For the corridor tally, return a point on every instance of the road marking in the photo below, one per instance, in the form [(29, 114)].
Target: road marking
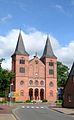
[(37, 107), (42, 107), (13, 117), (23, 106), (28, 106), (32, 106), (71, 115)]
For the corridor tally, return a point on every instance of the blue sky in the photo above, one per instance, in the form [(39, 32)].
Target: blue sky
[(49, 16), (54, 17)]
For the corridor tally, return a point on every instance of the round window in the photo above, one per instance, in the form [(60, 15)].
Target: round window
[(42, 82), (21, 82)]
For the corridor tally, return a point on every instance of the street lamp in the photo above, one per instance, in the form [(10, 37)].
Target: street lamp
[(10, 94)]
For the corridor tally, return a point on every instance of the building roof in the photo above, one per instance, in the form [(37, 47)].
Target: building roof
[(48, 52), (72, 70), (20, 48)]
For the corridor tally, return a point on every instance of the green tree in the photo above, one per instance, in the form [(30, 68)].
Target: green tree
[(62, 74), (5, 77)]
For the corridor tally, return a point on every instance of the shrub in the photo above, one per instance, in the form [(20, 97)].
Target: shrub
[(59, 101), (19, 102), (44, 100), (28, 101), (34, 101), (3, 101)]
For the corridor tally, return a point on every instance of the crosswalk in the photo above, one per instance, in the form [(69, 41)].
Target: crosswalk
[(33, 107)]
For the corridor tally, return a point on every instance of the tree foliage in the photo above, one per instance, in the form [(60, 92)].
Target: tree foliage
[(5, 77), (62, 74)]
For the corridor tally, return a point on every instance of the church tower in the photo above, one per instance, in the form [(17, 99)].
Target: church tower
[(20, 66), (50, 61)]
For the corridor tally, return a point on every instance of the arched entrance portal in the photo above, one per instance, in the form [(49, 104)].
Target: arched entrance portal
[(31, 93), (42, 94), (36, 94)]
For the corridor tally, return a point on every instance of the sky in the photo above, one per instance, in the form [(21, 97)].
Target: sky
[(37, 19)]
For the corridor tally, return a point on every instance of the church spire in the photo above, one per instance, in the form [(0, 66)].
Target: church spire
[(48, 52), (20, 49)]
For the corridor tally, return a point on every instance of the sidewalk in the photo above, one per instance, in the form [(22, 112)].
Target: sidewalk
[(6, 112), (7, 117), (67, 111)]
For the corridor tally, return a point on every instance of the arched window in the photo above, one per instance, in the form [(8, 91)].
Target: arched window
[(22, 93), (31, 93), (36, 92), (31, 82), (51, 71), (22, 61), (51, 93), (51, 63), (36, 82), (51, 84), (41, 94), (22, 70), (41, 82)]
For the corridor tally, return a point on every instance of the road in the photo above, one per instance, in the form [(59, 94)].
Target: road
[(38, 112)]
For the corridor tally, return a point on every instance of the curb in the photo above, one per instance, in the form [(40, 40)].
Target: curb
[(58, 111), (13, 112), (63, 112)]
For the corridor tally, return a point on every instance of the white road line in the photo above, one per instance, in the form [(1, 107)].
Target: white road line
[(28, 107), (37, 107), (32, 107), (72, 115), (23, 106), (42, 107)]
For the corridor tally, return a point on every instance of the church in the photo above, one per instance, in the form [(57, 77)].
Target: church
[(35, 79)]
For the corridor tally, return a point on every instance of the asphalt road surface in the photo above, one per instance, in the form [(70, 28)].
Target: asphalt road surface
[(34, 112)]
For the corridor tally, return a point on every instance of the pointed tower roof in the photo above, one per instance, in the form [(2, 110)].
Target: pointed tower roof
[(72, 70), (48, 52), (20, 49)]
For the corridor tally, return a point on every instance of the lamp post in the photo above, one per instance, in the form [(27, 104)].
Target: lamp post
[(11, 84)]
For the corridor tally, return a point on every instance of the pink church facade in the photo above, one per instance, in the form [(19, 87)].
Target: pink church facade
[(35, 79)]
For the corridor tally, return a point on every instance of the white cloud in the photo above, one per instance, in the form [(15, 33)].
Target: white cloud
[(66, 54), (5, 18), (60, 7), (57, 6), (34, 41)]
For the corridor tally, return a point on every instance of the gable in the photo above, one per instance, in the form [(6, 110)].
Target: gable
[(36, 68)]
